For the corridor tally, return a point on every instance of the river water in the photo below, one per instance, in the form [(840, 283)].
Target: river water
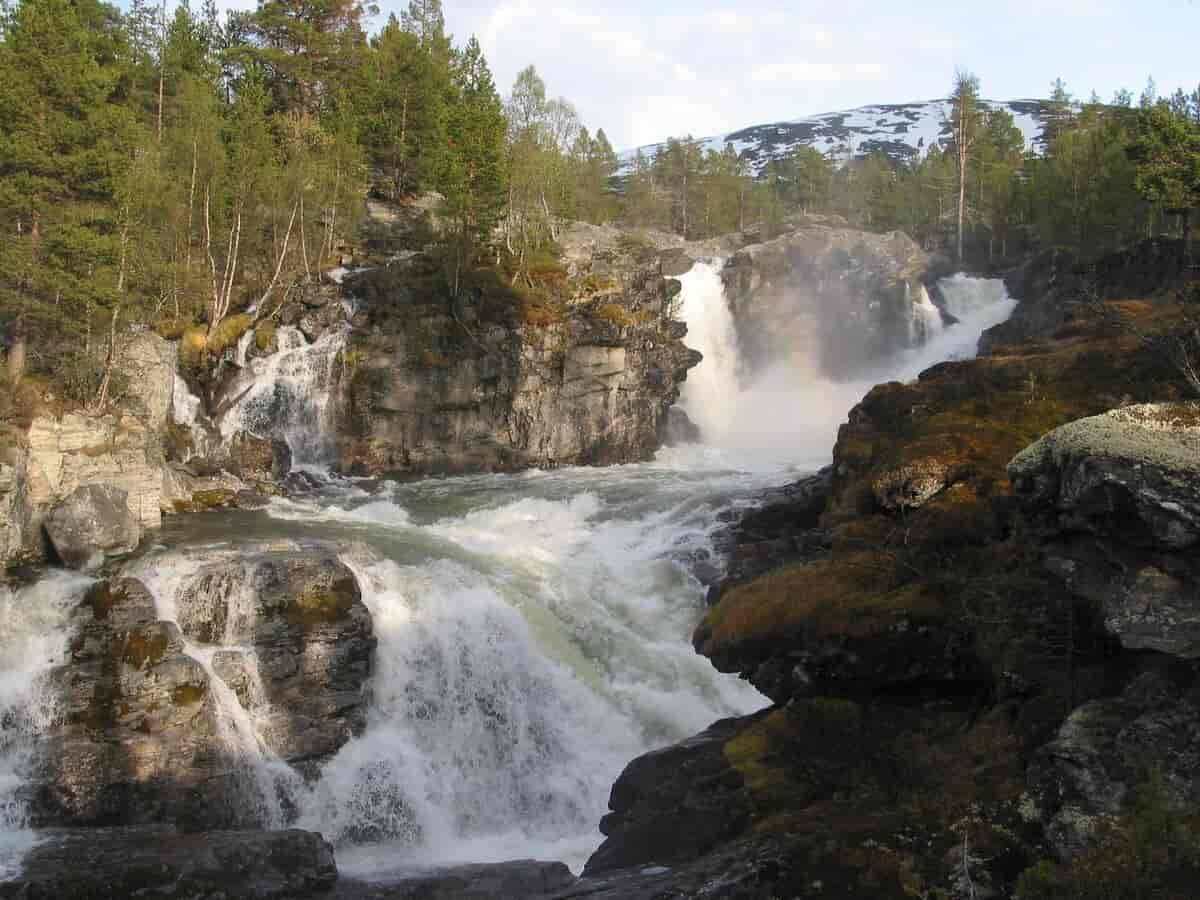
[(534, 629)]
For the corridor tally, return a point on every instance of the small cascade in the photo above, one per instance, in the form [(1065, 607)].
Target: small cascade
[(287, 394), (924, 319), (33, 639), (267, 783)]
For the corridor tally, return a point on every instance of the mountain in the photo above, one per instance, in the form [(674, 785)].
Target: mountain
[(899, 130)]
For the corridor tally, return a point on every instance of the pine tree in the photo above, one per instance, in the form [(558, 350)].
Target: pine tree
[(964, 128)]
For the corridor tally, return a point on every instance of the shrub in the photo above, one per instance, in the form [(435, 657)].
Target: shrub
[(615, 314)]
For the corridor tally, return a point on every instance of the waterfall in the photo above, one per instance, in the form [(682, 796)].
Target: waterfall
[(33, 639), (287, 394), (789, 412), (264, 781), (924, 319)]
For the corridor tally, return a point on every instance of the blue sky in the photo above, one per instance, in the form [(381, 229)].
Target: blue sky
[(646, 70)]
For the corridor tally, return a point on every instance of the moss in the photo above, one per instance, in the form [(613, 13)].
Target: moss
[(431, 359), (188, 694), (264, 336), (214, 498), (228, 332), (321, 604), (614, 314), (101, 598), (192, 346)]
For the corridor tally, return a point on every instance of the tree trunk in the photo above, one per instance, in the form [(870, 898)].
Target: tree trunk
[(16, 354)]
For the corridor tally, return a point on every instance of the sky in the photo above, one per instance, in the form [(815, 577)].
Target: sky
[(648, 70)]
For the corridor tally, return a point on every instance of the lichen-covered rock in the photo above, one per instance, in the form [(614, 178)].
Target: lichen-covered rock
[(1106, 749), (1120, 494), (94, 522), (103, 863), (1138, 466), (911, 485), (311, 641)]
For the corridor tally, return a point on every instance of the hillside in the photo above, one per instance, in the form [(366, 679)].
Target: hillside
[(899, 130)]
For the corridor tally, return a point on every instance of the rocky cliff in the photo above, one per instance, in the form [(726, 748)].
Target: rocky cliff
[(581, 372), (980, 644)]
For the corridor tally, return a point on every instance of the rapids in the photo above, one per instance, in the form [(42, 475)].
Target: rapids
[(533, 629)]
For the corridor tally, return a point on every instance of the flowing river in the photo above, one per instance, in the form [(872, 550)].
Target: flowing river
[(533, 629)]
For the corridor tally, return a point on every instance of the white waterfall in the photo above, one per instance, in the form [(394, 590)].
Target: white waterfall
[(789, 413), (287, 394), (33, 639), (925, 319)]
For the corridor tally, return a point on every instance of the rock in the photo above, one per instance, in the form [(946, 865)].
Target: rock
[(136, 740), (675, 262), (148, 362), (254, 458), (680, 429), (312, 641), (1120, 494), (673, 805), (1133, 471), (1107, 748), (912, 485), (516, 880), (568, 388), (112, 863), (92, 523)]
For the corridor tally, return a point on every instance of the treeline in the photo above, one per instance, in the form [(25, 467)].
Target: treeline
[(1108, 174), (166, 168)]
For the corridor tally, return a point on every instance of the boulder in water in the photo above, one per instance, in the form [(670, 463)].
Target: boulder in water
[(680, 429), (95, 521), (255, 458), (303, 615), (94, 863)]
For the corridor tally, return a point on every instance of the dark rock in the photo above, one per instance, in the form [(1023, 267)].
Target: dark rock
[(673, 805), (675, 262), (1106, 749), (120, 863), (516, 880), (312, 638), (680, 429), (256, 458), (95, 521)]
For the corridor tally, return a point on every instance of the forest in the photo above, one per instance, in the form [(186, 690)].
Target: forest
[(168, 168)]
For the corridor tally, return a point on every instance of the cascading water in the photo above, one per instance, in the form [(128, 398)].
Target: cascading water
[(33, 639), (287, 394), (788, 415), (533, 630)]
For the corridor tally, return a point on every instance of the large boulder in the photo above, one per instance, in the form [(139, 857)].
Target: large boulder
[(92, 523), (674, 804), (1120, 494), (259, 459), (137, 739), (111, 863), (310, 645)]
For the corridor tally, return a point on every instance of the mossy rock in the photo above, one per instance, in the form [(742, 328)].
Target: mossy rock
[(322, 602), (193, 345), (228, 332), (144, 648), (264, 336)]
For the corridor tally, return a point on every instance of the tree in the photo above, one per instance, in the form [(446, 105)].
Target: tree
[(964, 126), (1166, 153)]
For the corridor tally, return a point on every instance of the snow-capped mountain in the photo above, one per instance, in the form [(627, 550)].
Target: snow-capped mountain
[(899, 130)]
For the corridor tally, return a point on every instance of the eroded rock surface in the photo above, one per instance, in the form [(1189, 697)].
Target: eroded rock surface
[(92, 523)]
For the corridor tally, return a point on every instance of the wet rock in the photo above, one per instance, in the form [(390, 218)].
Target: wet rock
[(516, 880), (256, 458), (675, 262), (1107, 748), (112, 863), (92, 523), (673, 805), (680, 429), (312, 640), (136, 739)]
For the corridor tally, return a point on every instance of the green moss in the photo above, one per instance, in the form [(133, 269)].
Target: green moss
[(614, 314), (322, 604), (192, 346), (264, 336), (228, 332), (188, 694)]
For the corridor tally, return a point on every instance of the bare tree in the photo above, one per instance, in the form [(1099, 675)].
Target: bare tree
[(964, 126)]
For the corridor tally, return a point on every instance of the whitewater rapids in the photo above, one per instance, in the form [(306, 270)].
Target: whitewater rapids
[(533, 630)]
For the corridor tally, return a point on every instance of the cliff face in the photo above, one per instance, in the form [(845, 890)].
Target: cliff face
[(497, 382), (826, 293)]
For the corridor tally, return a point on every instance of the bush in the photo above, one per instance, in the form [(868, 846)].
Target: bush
[(614, 314)]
